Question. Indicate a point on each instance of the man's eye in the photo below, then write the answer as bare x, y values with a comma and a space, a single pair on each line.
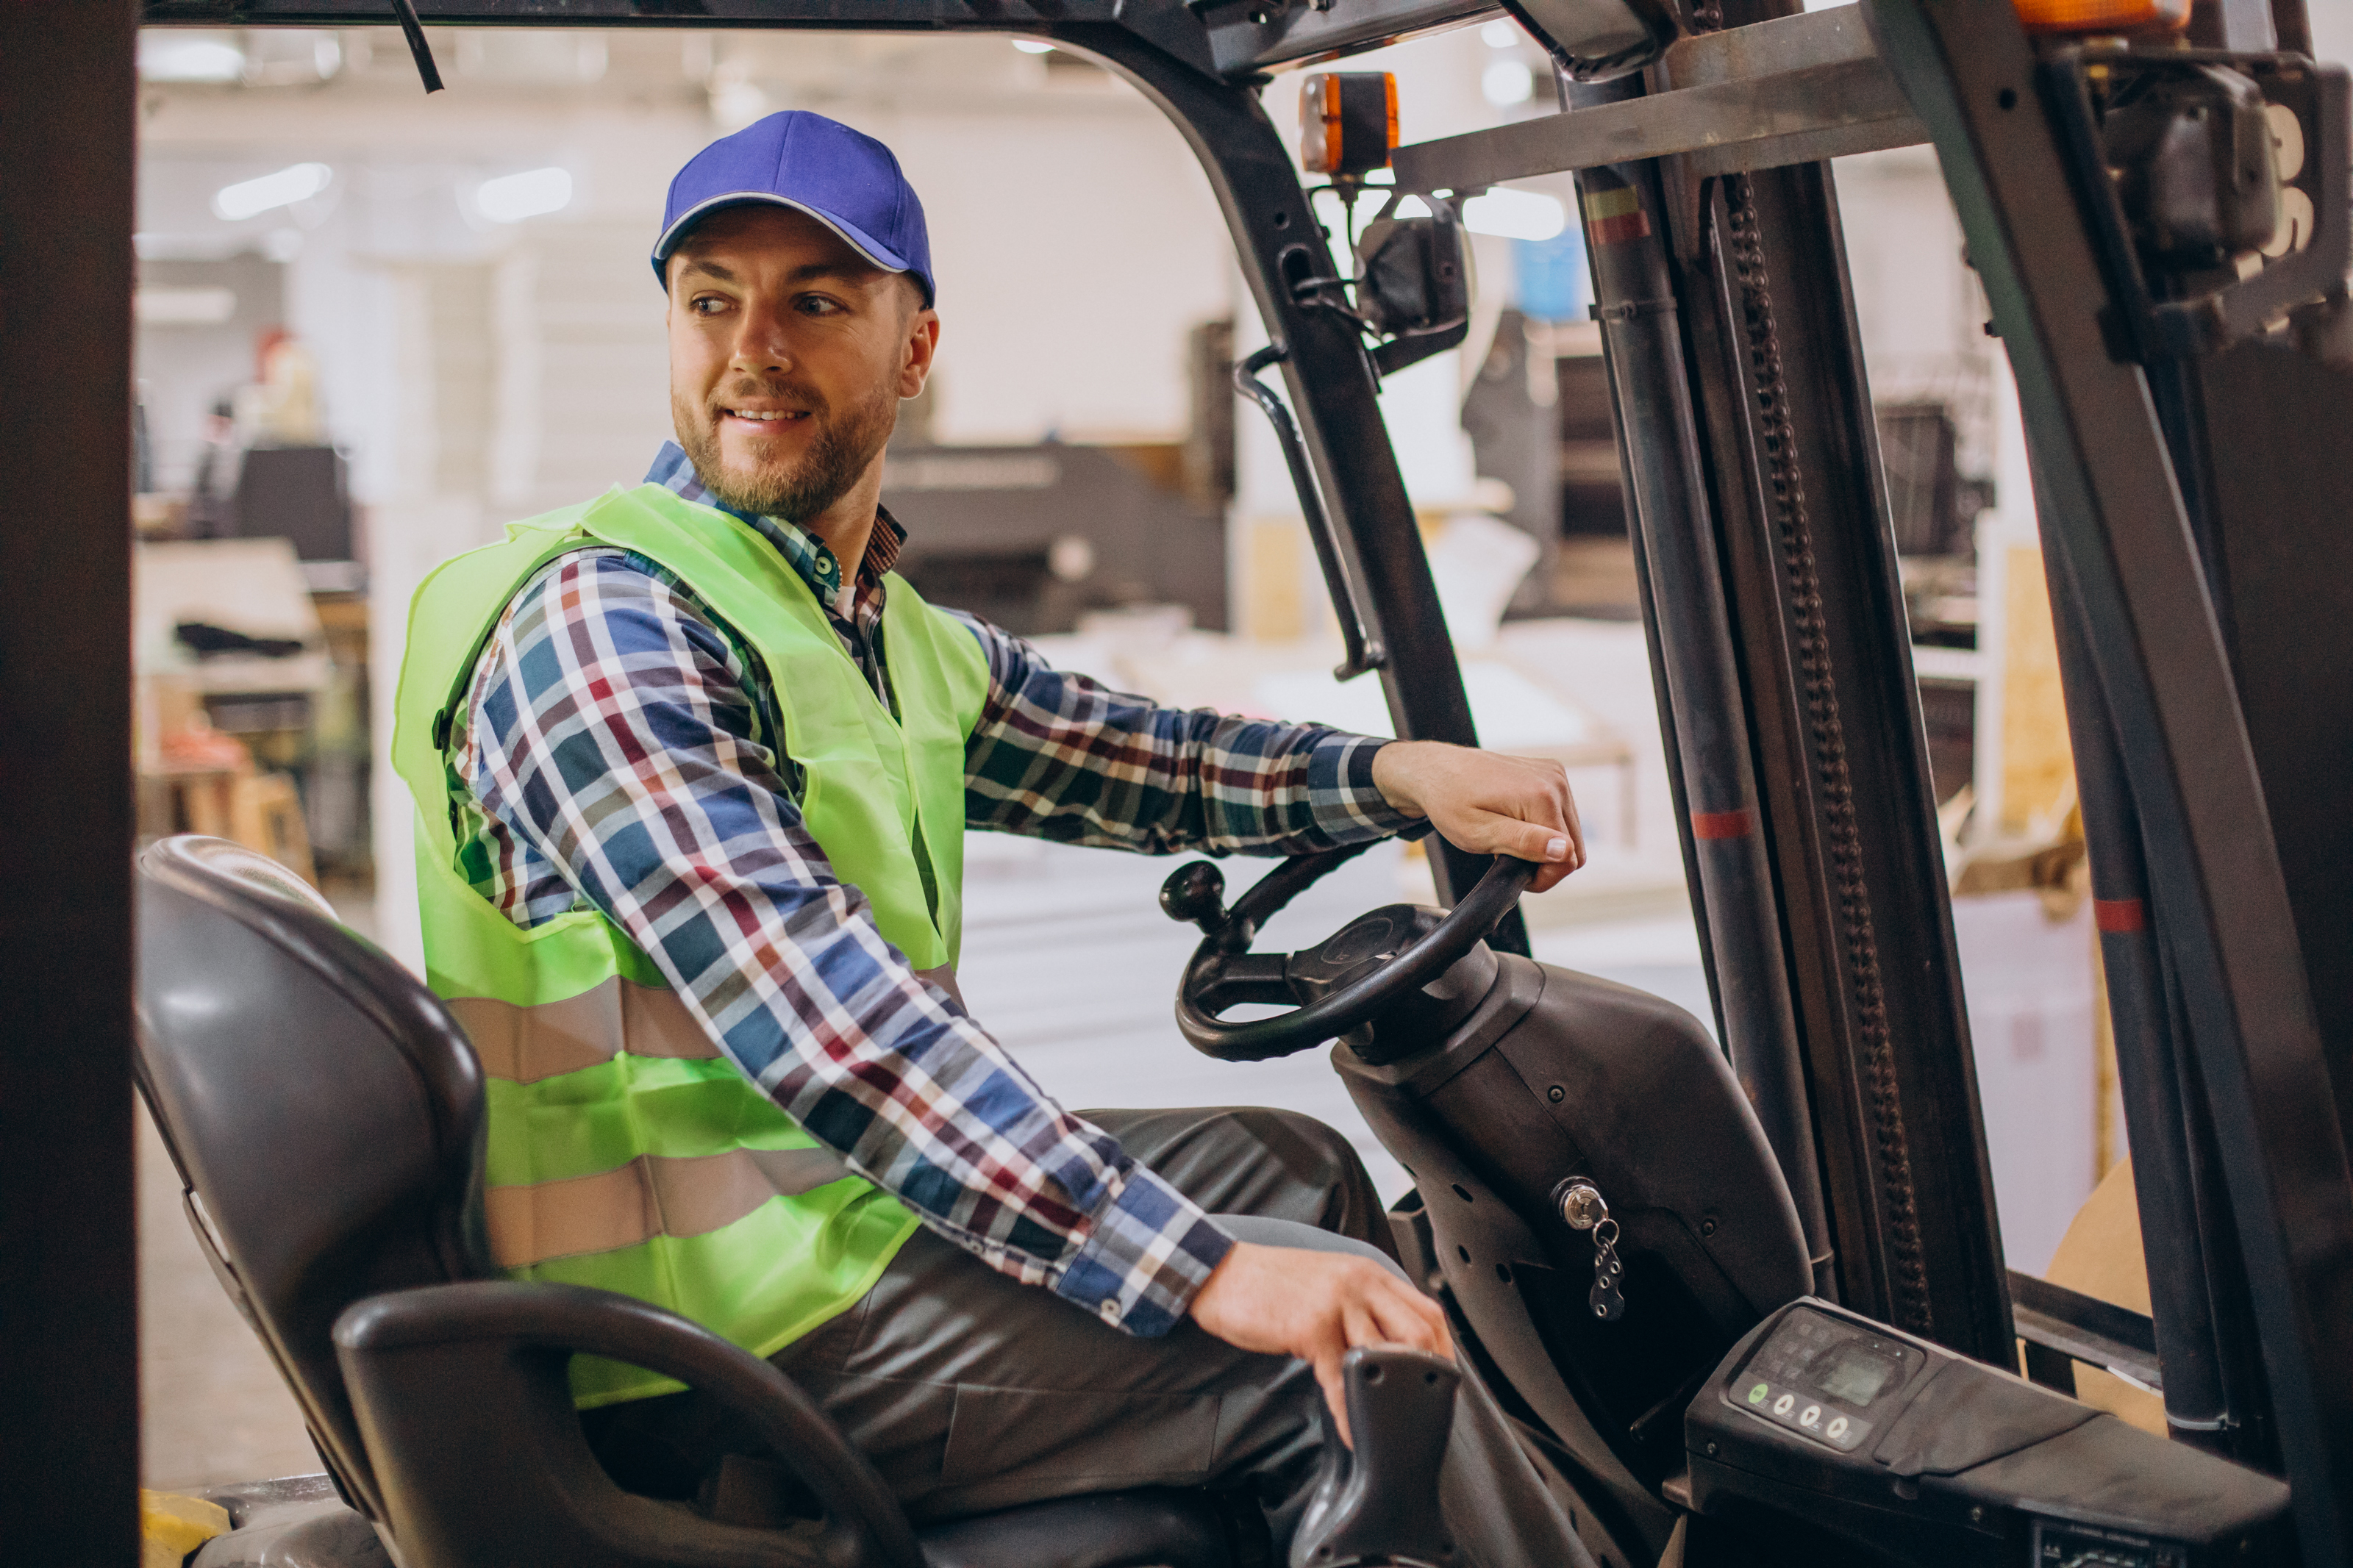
709, 305
817, 305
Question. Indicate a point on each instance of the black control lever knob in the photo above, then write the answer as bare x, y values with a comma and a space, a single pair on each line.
1378, 1502
1196, 892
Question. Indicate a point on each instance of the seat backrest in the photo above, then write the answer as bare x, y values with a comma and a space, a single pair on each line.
324, 1110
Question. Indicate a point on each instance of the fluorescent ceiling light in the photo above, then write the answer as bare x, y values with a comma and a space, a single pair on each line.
735, 104
1033, 46
183, 307
281, 189
1501, 34
189, 57
1507, 82
514, 197
1514, 215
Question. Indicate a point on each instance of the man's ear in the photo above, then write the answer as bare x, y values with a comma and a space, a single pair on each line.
923, 341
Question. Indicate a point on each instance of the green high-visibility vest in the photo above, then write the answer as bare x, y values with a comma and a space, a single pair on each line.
625, 1152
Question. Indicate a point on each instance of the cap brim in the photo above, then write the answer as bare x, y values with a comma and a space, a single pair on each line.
858, 239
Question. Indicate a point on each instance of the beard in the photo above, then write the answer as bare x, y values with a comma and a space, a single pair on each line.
846, 443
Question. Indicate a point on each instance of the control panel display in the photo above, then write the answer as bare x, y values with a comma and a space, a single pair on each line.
1821, 1376
1854, 1374
1838, 1426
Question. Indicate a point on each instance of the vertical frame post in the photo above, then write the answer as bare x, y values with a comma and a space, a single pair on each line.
1784, 651
1329, 374
69, 1352
2113, 518
1702, 706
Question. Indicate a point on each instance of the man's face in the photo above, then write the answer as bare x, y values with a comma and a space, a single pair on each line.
789, 355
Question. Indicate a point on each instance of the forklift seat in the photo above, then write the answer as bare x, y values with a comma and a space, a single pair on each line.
326, 1117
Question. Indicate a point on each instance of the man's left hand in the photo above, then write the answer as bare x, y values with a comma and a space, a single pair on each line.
1487, 802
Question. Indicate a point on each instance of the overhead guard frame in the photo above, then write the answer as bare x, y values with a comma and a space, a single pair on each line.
2112, 516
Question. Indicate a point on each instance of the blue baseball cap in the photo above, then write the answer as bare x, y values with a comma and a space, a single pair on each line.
844, 179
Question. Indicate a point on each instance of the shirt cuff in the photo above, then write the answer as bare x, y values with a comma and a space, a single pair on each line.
1349, 807
1151, 1251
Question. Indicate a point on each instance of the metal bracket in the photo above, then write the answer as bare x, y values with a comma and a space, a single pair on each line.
1172, 26
2144, 328
2113, 1339
1791, 91
1631, 308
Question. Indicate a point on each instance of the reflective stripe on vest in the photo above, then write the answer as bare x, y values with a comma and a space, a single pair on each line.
525, 1045
625, 1151
651, 1196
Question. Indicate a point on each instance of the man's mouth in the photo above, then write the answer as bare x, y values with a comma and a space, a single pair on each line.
766, 419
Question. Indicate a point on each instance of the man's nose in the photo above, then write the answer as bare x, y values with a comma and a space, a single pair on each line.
761, 345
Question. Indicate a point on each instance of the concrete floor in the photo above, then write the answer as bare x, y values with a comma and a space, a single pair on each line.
212, 1408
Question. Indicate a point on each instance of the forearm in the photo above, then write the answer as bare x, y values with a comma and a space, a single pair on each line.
1060, 756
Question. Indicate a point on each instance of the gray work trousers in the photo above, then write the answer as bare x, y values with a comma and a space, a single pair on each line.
972, 1392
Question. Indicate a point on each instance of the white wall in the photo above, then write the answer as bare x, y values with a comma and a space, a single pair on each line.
1072, 256
2332, 30
1922, 310
1075, 238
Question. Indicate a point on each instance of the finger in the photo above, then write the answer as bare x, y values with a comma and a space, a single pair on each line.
1548, 843
1364, 1325
1572, 818
1335, 1397
1408, 1318
1441, 1334
1400, 1324
1382, 1309
1391, 1313
1558, 820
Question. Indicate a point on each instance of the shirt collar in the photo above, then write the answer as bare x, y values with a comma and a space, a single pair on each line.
809, 555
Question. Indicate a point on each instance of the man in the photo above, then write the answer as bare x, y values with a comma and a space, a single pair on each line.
692, 791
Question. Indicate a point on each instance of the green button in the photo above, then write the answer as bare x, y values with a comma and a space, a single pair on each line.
1756, 1395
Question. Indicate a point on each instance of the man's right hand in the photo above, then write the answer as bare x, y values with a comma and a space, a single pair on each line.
1317, 1306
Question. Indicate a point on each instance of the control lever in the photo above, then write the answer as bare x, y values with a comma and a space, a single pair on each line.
1196, 892
1378, 1502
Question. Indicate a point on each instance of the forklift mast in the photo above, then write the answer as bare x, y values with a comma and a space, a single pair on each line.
1776, 623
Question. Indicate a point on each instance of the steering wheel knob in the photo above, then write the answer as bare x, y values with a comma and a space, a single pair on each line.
1196, 892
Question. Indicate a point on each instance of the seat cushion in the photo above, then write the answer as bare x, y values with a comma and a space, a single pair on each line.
1162, 1527
301, 1523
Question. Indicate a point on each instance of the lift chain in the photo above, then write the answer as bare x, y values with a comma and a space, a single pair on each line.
1787, 495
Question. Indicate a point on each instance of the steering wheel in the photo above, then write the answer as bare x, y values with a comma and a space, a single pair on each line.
1371, 963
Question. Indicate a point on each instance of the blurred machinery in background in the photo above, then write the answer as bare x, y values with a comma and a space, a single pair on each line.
1034, 537
1933, 509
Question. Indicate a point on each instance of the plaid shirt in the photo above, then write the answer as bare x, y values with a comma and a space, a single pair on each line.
624, 754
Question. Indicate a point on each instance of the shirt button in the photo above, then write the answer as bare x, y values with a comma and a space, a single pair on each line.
1109, 1311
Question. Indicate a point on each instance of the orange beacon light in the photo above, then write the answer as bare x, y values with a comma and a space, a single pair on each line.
2103, 16
1347, 122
